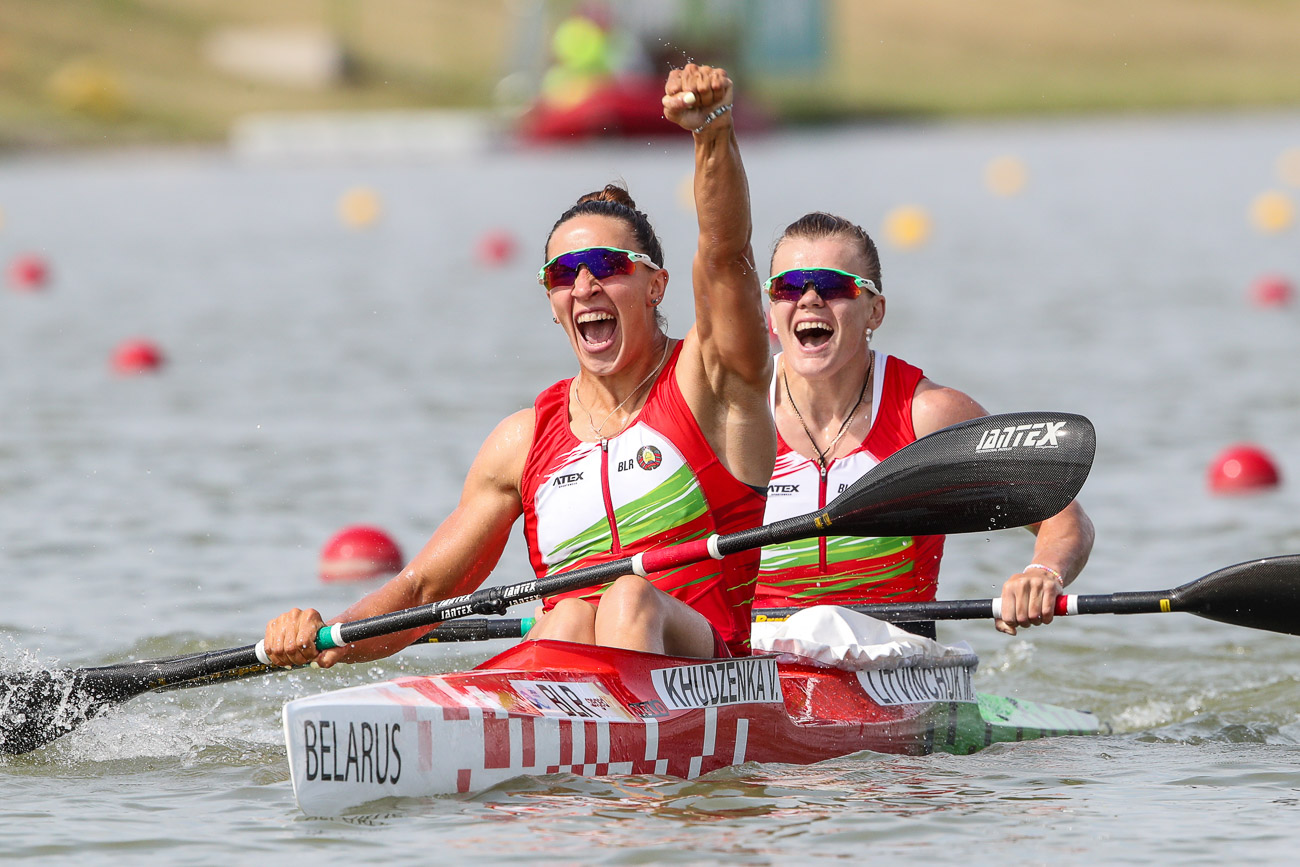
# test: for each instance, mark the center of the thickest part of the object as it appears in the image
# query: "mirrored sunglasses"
(601, 262)
(829, 283)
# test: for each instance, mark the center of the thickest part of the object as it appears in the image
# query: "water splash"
(37, 702)
(1014, 657)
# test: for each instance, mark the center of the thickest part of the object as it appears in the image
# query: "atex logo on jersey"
(734, 681)
(566, 479)
(1030, 436)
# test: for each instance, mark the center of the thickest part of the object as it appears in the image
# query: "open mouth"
(813, 334)
(596, 327)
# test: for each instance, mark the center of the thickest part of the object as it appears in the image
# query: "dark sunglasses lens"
(828, 284)
(783, 291)
(607, 263)
(601, 263)
(559, 274)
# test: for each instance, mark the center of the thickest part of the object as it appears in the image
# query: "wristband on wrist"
(711, 117)
(1056, 576)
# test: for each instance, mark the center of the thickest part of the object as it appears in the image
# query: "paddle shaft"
(1143, 602)
(234, 664)
(485, 629)
(1257, 594)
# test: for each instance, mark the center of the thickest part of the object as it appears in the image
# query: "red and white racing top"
(848, 570)
(658, 483)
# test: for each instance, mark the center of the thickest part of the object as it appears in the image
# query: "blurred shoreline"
(94, 74)
(288, 144)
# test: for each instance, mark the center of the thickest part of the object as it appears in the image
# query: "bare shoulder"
(501, 458)
(515, 429)
(937, 406)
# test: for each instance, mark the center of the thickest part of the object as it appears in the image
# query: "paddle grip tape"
(1065, 605)
(659, 559)
(330, 636)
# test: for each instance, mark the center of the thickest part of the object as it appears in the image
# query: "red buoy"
(357, 553)
(28, 272)
(137, 356)
(1272, 290)
(496, 248)
(1242, 468)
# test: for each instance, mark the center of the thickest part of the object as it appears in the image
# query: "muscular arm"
(726, 362)
(458, 557)
(1063, 541)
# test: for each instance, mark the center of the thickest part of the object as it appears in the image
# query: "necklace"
(822, 456)
(596, 429)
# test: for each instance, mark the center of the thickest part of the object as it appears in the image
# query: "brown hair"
(614, 201)
(819, 224)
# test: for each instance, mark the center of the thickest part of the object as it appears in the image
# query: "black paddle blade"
(984, 474)
(37, 707)
(1259, 594)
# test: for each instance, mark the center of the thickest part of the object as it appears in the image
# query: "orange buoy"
(1242, 468)
(908, 226)
(496, 248)
(137, 356)
(1272, 211)
(360, 208)
(1272, 290)
(1005, 176)
(28, 272)
(357, 553)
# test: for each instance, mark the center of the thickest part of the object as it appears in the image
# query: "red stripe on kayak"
(496, 743)
(459, 714)
(529, 742)
(566, 741)
(462, 780)
(666, 558)
(589, 741)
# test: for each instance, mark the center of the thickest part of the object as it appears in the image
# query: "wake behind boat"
(546, 707)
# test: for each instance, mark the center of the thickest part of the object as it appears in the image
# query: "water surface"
(320, 377)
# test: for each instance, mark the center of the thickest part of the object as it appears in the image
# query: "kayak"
(550, 707)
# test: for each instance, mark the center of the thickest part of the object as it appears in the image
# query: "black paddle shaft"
(1257, 594)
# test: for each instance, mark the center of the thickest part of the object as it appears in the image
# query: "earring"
(655, 301)
(556, 320)
(868, 335)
